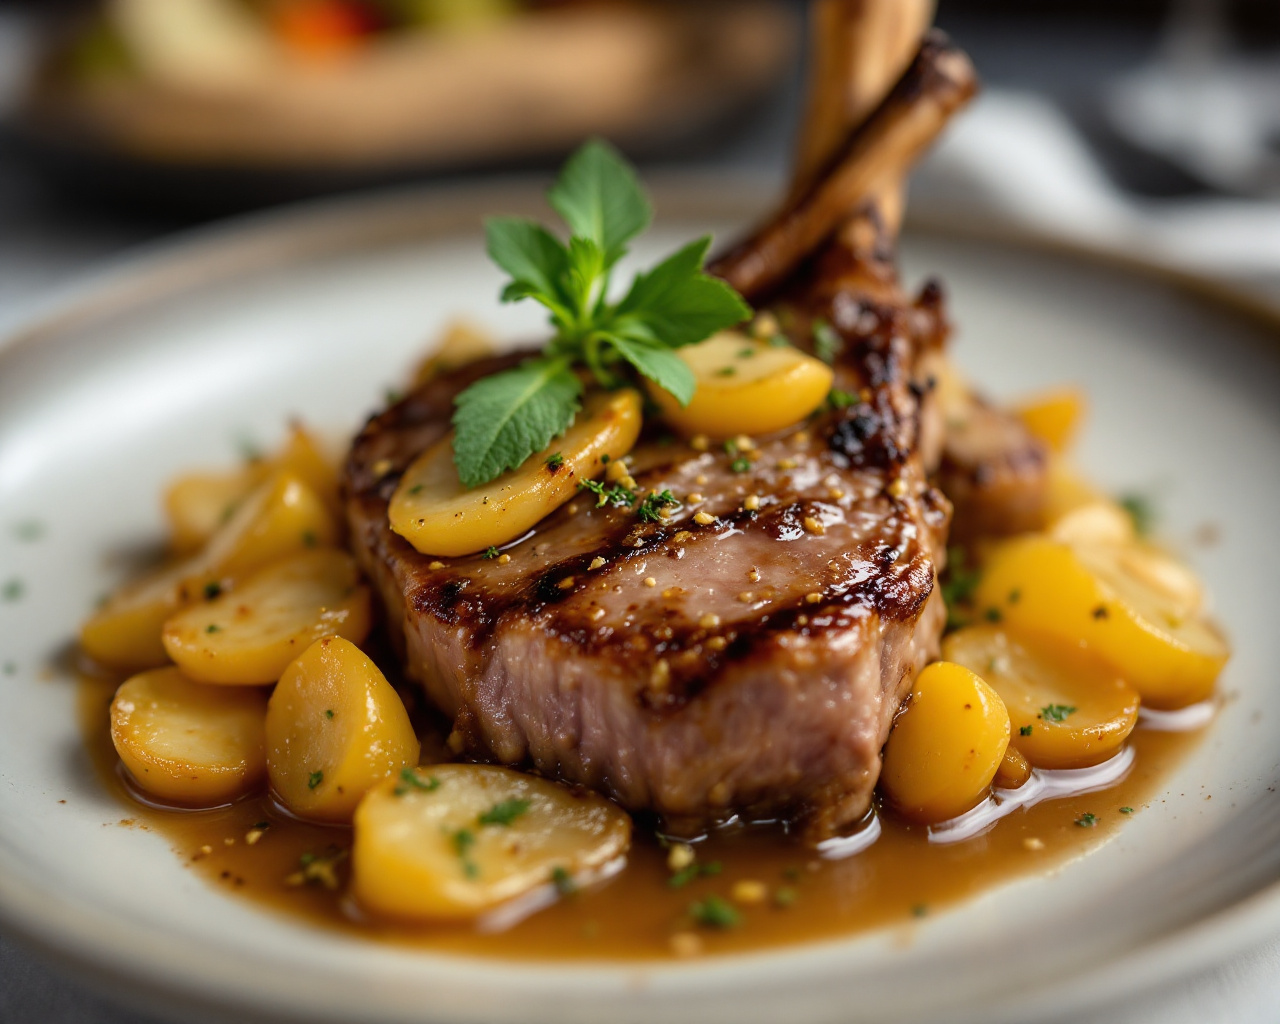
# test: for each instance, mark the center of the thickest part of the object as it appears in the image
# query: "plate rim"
(195, 257)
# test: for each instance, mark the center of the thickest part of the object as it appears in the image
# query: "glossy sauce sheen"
(635, 914)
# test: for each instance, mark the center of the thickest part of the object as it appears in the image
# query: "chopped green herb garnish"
(1126, 810)
(392, 396)
(504, 812)
(919, 910)
(838, 399)
(12, 590)
(417, 488)
(410, 779)
(746, 353)
(726, 371)
(249, 449)
(1142, 511)
(490, 552)
(826, 341)
(504, 418)
(1087, 820)
(213, 627)
(463, 840)
(309, 539)
(959, 582)
(694, 871)
(314, 779)
(785, 896)
(617, 495)
(993, 615)
(212, 589)
(1024, 730)
(28, 530)
(328, 712)
(563, 881)
(715, 912)
(1015, 595)
(556, 460)
(779, 341)
(741, 464)
(1056, 712)
(730, 447)
(650, 510)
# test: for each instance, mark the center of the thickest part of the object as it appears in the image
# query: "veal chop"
(744, 654)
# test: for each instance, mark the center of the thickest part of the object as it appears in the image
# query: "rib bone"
(873, 159)
(860, 49)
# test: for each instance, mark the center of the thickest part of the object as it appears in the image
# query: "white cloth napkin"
(1014, 163)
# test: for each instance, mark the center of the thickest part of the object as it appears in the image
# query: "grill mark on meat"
(532, 671)
(758, 676)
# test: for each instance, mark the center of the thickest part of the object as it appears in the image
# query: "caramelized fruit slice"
(1092, 596)
(438, 516)
(189, 743)
(281, 517)
(745, 386)
(448, 842)
(1067, 709)
(335, 728)
(197, 504)
(1054, 416)
(251, 634)
(946, 745)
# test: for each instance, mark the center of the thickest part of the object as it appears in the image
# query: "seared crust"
(758, 674)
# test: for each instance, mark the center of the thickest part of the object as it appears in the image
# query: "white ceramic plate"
(163, 361)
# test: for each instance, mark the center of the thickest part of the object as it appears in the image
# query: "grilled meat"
(745, 655)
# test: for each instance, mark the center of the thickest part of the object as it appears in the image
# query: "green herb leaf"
(659, 364)
(503, 419)
(600, 199)
(1142, 510)
(616, 495)
(537, 261)
(314, 779)
(680, 304)
(563, 881)
(554, 461)
(650, 510)
(827, 342)
(410, 779)
(693, 871)
(1024, 730)
(676, 303)
(504, 812)
(463, 840)
(1056, 712)
(1087, 820)
(715, 912)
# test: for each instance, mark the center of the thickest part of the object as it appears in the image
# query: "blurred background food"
(1147, 128)
(229, 102)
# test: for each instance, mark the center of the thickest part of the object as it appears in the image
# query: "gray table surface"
(45, 243)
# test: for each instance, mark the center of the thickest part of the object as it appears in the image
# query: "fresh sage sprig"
(503, 419)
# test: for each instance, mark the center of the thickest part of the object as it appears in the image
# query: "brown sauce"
(637, 914)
